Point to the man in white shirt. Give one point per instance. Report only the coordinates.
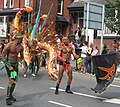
(84, 49)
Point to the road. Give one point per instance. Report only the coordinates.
(39, 92)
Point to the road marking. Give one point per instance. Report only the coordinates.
(114, 100)
(60, 104)
(81, 94)
(118, 86)
(2, 88)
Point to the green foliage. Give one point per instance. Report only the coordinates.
(112, 15)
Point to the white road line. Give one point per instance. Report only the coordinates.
(57, 103)
(2, 88)
(118, 86)
(114, 101)
(81, 94)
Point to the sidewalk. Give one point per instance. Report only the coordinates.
(118, 71)
(73, 64)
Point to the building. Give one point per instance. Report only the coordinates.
(66, 15)
(76, 10)
(8, 10)
(59, 14)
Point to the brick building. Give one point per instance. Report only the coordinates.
(76, 10)
(66, 16)
(59, 14)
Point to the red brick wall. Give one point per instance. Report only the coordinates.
(1, 4)
(66, 13)
(108, 42)
(16, 3)
(45, 8)
(22, 3)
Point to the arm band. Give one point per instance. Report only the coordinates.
(7, 63)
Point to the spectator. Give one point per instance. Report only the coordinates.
(94, 52)
(77, 35)
(89, 51)
(84, 56)
(3, 46)
(104, 49)
(115, 45)
(78, 52)
(0, 47)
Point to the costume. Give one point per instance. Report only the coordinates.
(64, 55)
(13, 74)
(35, 65)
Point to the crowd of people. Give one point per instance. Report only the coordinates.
(86, 51)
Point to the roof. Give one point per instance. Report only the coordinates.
(80, 3)
(76, 4)
(109, 37)
(61, 18)
(8, 11)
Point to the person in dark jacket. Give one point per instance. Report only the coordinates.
(104, 49)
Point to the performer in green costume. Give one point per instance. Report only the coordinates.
(10, 59)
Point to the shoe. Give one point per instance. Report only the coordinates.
(68, 91)
(8, 101)
(24, 75)
(56, 92)
(33, 75)
(13, 99)
(76, 69)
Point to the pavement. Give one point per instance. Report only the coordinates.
(73, 68)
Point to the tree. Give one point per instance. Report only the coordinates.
(112, 15)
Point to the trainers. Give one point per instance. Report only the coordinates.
(56, 92)
(13, 99)
(24, 75)
(8, 101)
(68, 91)
(33, 75)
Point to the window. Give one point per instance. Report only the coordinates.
(59, 28)
(3, 26)
(27, 3)
(60, 6)
(11, 3)
(5, 3)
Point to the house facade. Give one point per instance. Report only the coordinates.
(66, 15)
(76, 9)
(59, 14)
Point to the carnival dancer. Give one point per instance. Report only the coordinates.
(10, 58)
(64, 54)
(34, 61)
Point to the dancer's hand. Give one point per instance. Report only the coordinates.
(11, 68)
(67, 62)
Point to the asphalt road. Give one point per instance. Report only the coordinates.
(39, 92)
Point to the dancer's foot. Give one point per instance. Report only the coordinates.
(8, 101)
(56, 92)
(33, 75)
(25, 75)
(13, 99)
(68, 91)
